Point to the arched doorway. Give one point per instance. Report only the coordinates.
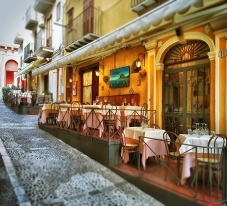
(11, 67)
(186, 86)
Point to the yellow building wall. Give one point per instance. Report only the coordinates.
(114, 13)
(222, 88)
(125, 57)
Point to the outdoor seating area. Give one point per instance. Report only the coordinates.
(98, 120)
(180, 160)
(195, 172)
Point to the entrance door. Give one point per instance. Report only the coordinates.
(89, 84)
(186, 90)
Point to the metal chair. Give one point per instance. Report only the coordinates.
(142, 116)
(172, 144)
(76, 116)
(53, 115)
(109, 111)
(127, 147)
(211, 162)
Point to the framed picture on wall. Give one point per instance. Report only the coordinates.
(120, 77)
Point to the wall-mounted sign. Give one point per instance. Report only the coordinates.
(222, 53)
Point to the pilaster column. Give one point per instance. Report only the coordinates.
(212, 90)
(151, 83)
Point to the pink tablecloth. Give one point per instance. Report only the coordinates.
(93, 116)
(44, 110)
(64, 115)
(94, 120)
(132, 112)
(151, 147)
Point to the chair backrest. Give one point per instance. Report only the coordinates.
(172, 142)
(40, 100)
(109, 111)
(155, 126)
(54, 107)
(76, 108)
(122, 136)
(217, 140)
(215, 144)
(108, 103)
(76, 104)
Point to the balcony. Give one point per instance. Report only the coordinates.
(18, 39)
(28, 53)
(139, 5)
(81, 32)
(43, 6)
(31, 22)
(43, 48)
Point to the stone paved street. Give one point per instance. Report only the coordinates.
(38, 169)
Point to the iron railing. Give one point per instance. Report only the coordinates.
(136, 2)
(90, 121)
(29, 50)
(199, 187)
(89, 21)
(40, 40)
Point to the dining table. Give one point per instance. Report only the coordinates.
(19, 97)
(25, 95)
(190, 145)
(148, 147)
(94, 116)
(44, 111)
(131, 112)
(64, 115)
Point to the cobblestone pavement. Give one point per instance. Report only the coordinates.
(38, 169)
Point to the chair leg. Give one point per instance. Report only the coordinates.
(178, 167)
(210, 179)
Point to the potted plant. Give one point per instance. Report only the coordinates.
(5, 93)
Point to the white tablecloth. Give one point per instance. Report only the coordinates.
(189, 153)
(193, 140)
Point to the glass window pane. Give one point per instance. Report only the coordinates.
(87, 78)
(87, 94)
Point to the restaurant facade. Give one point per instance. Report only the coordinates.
(181, 48)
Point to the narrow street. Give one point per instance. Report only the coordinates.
(38, 169)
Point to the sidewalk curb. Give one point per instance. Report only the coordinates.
(18, 189)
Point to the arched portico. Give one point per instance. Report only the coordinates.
(159, 66)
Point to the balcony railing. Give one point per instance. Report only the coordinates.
(31, 20)
(39, 40)
(43, 6)
(88, 22)
(136, 2)
(29, 53)
(43, 48)
(140, 5)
